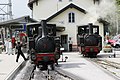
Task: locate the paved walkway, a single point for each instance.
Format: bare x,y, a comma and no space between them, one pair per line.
8,64
75,65
84,69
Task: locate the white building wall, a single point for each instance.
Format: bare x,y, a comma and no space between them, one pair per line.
46,8
85,4
70,28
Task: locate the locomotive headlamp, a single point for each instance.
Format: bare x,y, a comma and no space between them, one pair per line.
33,57
32,52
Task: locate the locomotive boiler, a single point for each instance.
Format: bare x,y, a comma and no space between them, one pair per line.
44,46
88,40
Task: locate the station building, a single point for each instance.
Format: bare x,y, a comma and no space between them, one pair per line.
68,15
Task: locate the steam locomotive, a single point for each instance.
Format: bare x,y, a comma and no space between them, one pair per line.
44,46
88,40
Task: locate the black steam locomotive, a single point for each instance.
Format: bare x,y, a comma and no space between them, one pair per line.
88,40
44,46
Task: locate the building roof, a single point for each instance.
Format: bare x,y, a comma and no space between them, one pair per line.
65,8
21,20
30,3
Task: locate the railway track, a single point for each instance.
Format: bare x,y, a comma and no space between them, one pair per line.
30,72
110,66
50,75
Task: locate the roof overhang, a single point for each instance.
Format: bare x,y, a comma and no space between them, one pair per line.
71,5
30,3
37,24
17,21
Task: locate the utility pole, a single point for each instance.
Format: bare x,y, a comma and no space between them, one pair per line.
10,9
6,11
117,23
5,14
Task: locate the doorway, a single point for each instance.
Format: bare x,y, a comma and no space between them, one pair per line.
64,42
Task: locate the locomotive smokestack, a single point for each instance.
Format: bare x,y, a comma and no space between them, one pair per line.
44,27
90,28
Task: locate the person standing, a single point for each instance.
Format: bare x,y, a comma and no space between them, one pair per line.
18,47
6,45
13,42
70,44
10,48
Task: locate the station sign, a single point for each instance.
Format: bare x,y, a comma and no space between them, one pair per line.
19,27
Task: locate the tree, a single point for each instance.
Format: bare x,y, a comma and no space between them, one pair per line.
118,2
110,10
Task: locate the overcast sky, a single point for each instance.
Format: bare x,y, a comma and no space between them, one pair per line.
19,7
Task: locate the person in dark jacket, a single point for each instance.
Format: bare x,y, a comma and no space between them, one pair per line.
18,47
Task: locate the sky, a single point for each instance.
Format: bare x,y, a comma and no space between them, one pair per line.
19,8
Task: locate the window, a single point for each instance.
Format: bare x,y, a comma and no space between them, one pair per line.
94,30
71,17
96,1
37,3
60,0
64,39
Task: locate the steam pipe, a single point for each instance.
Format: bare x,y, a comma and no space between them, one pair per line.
90,28
44,26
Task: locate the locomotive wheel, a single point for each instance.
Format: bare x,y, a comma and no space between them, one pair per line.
52,66
85,55
93,56
44,67
37,66
56,61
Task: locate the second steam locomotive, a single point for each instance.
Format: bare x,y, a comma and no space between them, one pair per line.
89,41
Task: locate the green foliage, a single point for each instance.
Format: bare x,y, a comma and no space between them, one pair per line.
118,2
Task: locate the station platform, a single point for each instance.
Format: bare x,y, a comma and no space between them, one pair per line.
8,65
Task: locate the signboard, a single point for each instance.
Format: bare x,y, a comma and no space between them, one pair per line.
19,27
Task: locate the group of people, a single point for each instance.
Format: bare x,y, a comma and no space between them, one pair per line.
17,46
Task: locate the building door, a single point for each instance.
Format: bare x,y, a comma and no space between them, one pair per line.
64,42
